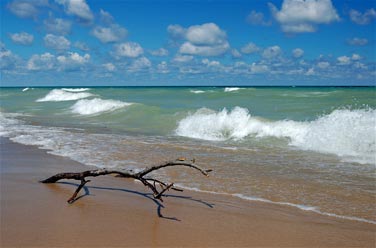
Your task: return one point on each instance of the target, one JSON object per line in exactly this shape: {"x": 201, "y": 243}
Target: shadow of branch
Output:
{"x": 149, "y": 196}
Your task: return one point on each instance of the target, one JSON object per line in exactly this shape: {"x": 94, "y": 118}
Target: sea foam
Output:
{"x": 230, "y": 89}
{"x": 59, "y": 95}
{"x": 349, "y": 134}
{"x": 75, "y": 89}
{"x": 96, "y": 106}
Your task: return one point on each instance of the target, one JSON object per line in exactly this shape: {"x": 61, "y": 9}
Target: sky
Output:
{"x": 196, "y": 42}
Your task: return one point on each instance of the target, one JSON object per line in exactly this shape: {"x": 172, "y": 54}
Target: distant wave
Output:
{"x": 96, "y": 106}
{"x": 197, "y": 91}
{"x": 58, "y": 95}
{"x": 75, "y": 89}
{"x": 349, "y": 134}
{"x": 230, "y": 89}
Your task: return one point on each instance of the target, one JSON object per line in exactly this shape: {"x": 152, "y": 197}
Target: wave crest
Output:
{"x": 349, "y": 134}
{"x": 59, "y": 95}
{"x": 96, "y": 106}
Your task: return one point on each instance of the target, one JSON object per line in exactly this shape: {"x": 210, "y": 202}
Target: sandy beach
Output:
{"x": 114, "y": 212}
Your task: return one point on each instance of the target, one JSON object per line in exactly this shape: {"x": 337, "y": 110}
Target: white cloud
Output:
{"x": 357, "y": 41}
{"x": 106, "y": 17}
{"x": 163, "y": 67}
{"x": 72, "y": 61}
{"x": 140, "y": 64}
{"x": 362, "y": 19}
{"x": 112, "y": 33}
{"x": 258, "y": 68}
{"x": 82, "y": 46}
{"x": 22, "y": 38}
{"x": 26, "y": 8}
{"x": 356, "y": 56}
{"x": 210, "y": 63}
{"x": 343, "y": 60}
{"x": 250, "y": 48}
{"x": 127, "y": 49}
{"x": 257, "y": 18}
{"x": 8, "y": 60}
{"x": 78, "y": 8}
{"x": 298, "y": 16}
{"x": 323, "y": 64}
{"x": 109, "y": 67}
{"x": 160, "y": 52}
{"x": 57, "y": 26}
{"x": 204, "y": 40}
{"x": 56, "y": 42}
{"x": 235, "y": 53}
{"x": 206, "y": 34}
{"x": 182, "y": 58}
{"x": 310, "y": 72}
{"x": 176, "y": 31}
{"x": 272, "y": 52}
{"x": 189, "y": 48}
{"x": 45, "y": 61}
{"x": 297, "y": 53}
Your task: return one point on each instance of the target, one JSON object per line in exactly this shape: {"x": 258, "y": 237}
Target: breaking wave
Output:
{"x": 75, "y": 89}
{"x": 96, "y": 106}
{"x": 59, "y": 95}
{"x": 349, "y": 134}
{"x": 229, "y": 89}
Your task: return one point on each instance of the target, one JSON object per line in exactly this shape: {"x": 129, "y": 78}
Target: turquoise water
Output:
{"x": 311, "y": 148}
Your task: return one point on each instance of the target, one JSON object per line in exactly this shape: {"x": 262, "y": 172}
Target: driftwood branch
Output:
{"x": 149, "y": 182}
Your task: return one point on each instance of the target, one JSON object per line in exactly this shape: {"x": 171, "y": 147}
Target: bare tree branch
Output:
{"x": 140, "y": 176}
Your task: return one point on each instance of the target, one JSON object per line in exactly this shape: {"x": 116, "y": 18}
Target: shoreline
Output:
{"x": 116, "y": 212}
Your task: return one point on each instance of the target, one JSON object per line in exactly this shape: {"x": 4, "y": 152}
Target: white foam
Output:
{"x": 25, "y": 89}
{"x": 349, "y": 134}
{"x": 58, "y": 95}
{"x": 75, "y": 89}
{"x": 230, "y": 89}
{"x": 197, "y": 91}
{"x": 96, "y": 106}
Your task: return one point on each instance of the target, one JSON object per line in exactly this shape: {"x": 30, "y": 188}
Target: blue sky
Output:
{"x": 108, "y": 42}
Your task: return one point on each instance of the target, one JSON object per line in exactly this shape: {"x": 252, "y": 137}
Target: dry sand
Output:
{"x": 115, "y": 212}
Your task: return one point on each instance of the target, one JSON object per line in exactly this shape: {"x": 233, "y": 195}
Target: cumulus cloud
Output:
{"x": 162, "y": 67}
{"x": 57, "y": 26}
{"x": 323, "y": 64}
{"x": 250, "y": 48}
{"x": 235, "y": 53}
{"x": 182, "y": 58}
{"x": 45, "y": 61}
{"x": 106, "y": 17}
{"x": 82, "y": 46}
{"x": 210, "y": 63}
{"x": 139, "y": 64}
{"x": 258, "y": 68}
{"x": 189, "y": 48}
{"x": 127, "y": 49}
{"x": 161, "y": 52}
{"x": 109, "y": 67}
{"x": 8, "y": 60}
{"x": 26, "y": 8}
{"x": 22, "y": 38}
{"x": 362, "y": 19}
{"x": 257, "y": 18}
{"x": 343, "y": 60}
{"x": 356, "y": 56}
{"x": 297, "y": 53}
{"x": 176, "y": 31}
{"x": 357, "y": 41}
{"x": 112, "y": 33}
{"x": 299, "y": 16}
{"x": 203, "y": 40}
{"x": 72, "y": 61}
{"x": 56, "y": 42}
{"x": 78, "y": 8}
{"x": 272, "y": 52}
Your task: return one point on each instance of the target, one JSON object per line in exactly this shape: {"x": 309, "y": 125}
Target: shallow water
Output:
{"x": 311, "y": 148}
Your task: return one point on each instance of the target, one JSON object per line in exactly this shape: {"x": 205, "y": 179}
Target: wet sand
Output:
{"x": 115, "y": 212}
